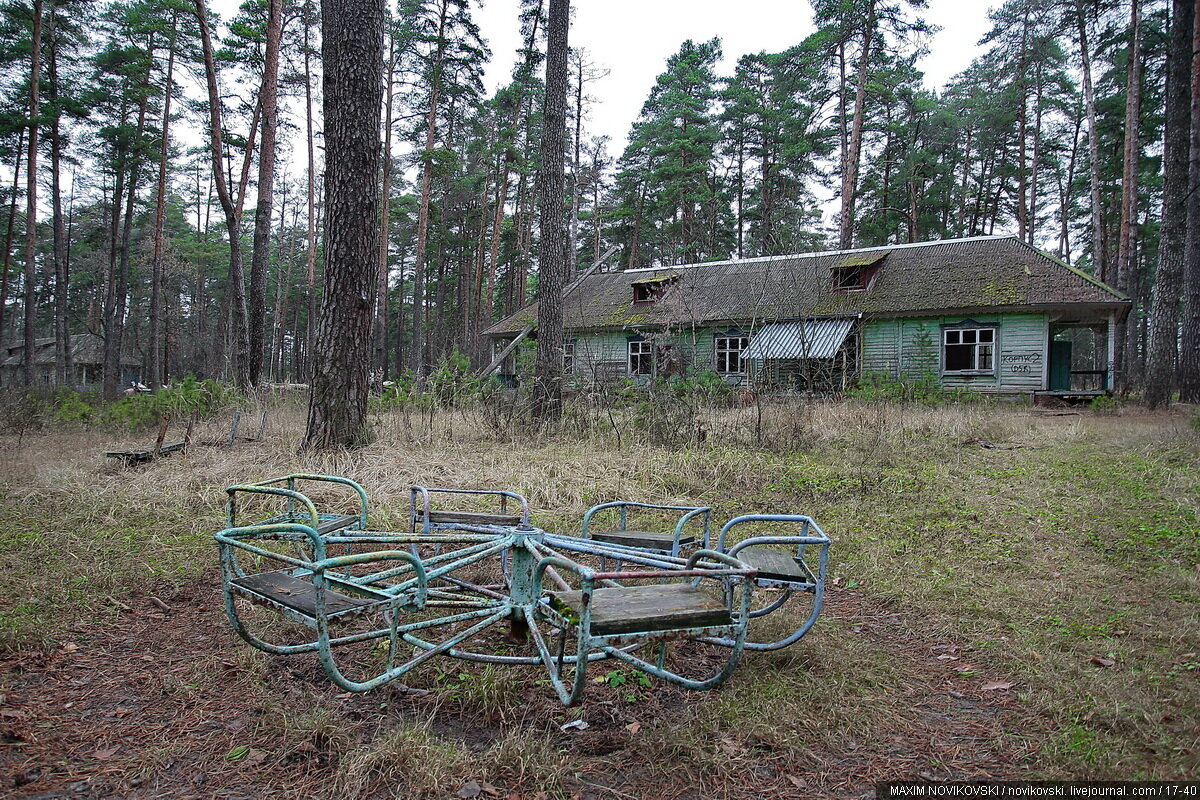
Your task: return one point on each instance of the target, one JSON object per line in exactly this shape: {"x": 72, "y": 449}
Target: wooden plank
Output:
{"x": 644, "y": 609}
{"x": 191, "y": 426}
{"x": 472, "y": 518}
{"x": 233, "y": 428}
{"x": 162, "y": 432}
{"x": 647, "y": 539}
{"x": 337, "y": 523}
{"x": 503, "y": 354}
{"x": 132, "y": 456}
{"x": 287, "y": 590}
{"x": 774, "y": 565}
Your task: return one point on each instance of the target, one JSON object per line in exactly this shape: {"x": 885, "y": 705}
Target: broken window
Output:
{"x": 641, "y": 358}
{"x": 848, "y": 278}
{"x": 568, "y": 357}
{"x": 855, "y": 272}
{"x": 969, "y": 350}
{"x": 728, "y": 351}
{"x": 651, "y": 290}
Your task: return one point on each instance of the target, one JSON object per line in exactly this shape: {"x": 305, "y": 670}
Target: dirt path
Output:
{"x": 157, "y": 704}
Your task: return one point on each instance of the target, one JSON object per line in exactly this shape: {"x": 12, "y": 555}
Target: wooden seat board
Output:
{"x": 147, "y": 454}
{"x": 647, "y": 539}
{"x": 473, "y": 518}
{"x": 775, "y": 565}
{"x": 298, "y": 594}
{"x": 644, "y": 609}
{"x": 337, "y": 523}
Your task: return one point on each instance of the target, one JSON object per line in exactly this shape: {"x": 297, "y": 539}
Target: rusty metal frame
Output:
{"x": 690, "y": 513}
{"x": 430, "y": 608}
{"x": 426, "y": 506}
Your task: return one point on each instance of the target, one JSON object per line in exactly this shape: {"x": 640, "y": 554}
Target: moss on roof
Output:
{"x": 980, "y": 273}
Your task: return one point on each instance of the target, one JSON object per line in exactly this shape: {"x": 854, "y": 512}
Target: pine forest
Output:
{"x": 162, "y": 170}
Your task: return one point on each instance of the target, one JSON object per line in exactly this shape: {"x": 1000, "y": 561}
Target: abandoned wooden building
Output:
{"x": 990, "y": 313}
{"x": 87, "y": 357}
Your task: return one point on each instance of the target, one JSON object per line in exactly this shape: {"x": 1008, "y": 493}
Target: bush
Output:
{"x": 1105, "y": 404}
{"x": 69, "y": 407}
{"x": 452, "y": 383}
{"x": 449, "y": 385}
{"x": 22, "y": 410}
{"x": 925, "y": 390}
{"x": 141, "y": 410}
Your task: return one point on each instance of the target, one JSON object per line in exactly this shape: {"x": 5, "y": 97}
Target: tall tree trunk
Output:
{"x": 10, "y": 232}
{"x": 1164, "y": 315}
{"x": 1023, "y": 135}
{"x": 35, "y": 74}
{"x": 112, "y": 318}
{"x": 1189, "y": 345}
{"x": 1099, "y": 255}
{"x": 236, "y": 295}
{"x": 160, "y": 216}
{"x": 552, "y": 266}
{"x": 502, "y": 181}
{"x": 283, "y": 285}
{"x": 379, "y": 336}
{"x": 352, "y": 46}
{"x": 269, "y": 102}
{"x": 573, "y": 236}
{"x": 63, "y": 357}
{"x": 431, "y": 118}
{"x": 311, "y": 235}
{"x": 1129, "y": 190}
{"x": 850, "y": 171}
{"x": 114, "y": 328}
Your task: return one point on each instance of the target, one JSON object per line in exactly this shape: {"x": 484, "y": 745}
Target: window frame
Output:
{"x": 568, "y": 356}
{"x": 978, "y": 347}
{"x": 718, "y": 351}
{"x": 645, "y": 352}
{"x": 858, "y": 273}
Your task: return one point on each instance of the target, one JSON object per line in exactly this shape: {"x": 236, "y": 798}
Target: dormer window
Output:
{"x": 651, "y": 290}
{"x": 855, "y": 273}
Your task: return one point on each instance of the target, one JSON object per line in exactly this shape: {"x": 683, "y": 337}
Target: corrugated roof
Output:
{"x": 979, "y": 273}
{"x": 814, "y": 338}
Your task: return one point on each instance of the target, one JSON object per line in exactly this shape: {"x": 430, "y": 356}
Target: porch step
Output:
{"x": 647, "y": 539}
{"x": 641, "y": 609}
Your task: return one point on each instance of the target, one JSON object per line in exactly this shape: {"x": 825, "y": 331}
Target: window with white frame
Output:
{"x": 728, "y": 353}
{"x": 568, "y": 356}
{"x": 968, "y": 350}
{"x": 641, "y": 358}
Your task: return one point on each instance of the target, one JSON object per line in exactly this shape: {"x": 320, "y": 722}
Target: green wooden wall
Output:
{"x": 900, "y": 348}
{"x": 911, "y": 348}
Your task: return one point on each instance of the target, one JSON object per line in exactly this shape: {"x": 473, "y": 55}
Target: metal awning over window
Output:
{"x": 814, "y": 338}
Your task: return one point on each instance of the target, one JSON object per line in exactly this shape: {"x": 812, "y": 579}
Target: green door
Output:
{"x": 1060, "y": 366}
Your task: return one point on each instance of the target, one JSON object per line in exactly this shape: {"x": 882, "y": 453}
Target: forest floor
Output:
{"x": 1015, "y": 594}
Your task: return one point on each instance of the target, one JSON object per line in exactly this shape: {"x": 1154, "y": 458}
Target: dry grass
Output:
{"x": 1074, "y": 541}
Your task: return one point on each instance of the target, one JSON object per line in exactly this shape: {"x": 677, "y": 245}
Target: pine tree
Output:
{"x": 352, "y": 49}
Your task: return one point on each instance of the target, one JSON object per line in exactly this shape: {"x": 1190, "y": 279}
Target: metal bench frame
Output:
{"x": 426, "y": 609}
{"x": 703, "y": 513}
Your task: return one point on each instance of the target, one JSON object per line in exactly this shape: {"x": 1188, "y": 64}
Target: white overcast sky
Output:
{"x": 634, "y": 38}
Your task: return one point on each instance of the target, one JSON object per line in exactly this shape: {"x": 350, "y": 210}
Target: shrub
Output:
{"x": 1105, "y": 404}
{"x": 21, "y": 411}
{"x": 204, "y": 397}
{"x": 925, "y": 390}
{"x": 70, "y": 407}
